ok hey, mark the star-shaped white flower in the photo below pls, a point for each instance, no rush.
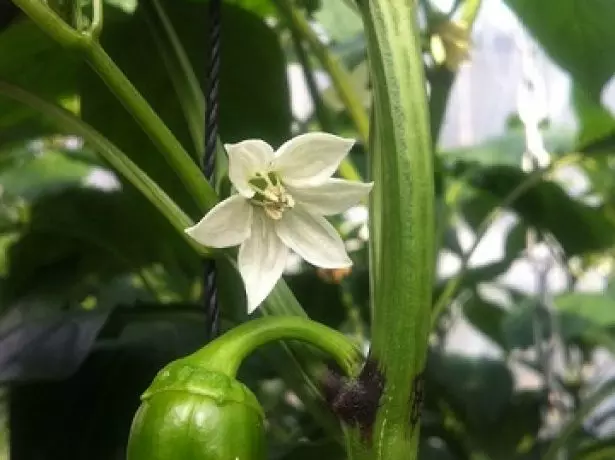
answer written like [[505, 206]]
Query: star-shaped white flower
[[281, 200]]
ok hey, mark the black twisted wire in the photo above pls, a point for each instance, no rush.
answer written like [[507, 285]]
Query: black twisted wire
[[212, 308]]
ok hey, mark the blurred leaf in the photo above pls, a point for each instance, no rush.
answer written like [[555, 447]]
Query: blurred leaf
[[30, 59], [322, 450], [323, 301], [577, 34], [79, 237], [261, 7], [254, 100], [43, 173], [597, 124], [339, 21], [548, 207], [508, 148], [518, 325], [88, 415], [479, 391], [476, 388], [487, 317], [50, 346]]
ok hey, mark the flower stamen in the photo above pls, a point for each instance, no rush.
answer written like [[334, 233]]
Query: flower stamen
[[271, 195]]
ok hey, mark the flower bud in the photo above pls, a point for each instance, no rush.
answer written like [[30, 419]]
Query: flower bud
[[192, 413]]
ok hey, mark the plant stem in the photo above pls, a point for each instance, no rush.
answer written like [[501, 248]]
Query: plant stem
[[402, 255], [242, 340], [177, 157], [451, 287], [607, 390], [158, 132], [346, 169], [342, 81], [442, 78], [114, 156], [180, 70]]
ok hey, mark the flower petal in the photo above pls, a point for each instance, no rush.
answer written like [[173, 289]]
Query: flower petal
[[226, 224], [261, 260], [313, 238], [332, 197], [310, 159], [245, 160]]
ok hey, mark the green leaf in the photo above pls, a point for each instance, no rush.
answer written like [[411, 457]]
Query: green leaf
[[77, 238], [597, 124], [508, 149], [51, 346], [88, 415], [42, 173], [479, 389], [29, 59], [254, 101], [339, 21], [487, 317], [577, 34], [548, 207]]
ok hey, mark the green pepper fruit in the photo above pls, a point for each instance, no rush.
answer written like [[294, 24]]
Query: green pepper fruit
[[193, 413], [195, 409]]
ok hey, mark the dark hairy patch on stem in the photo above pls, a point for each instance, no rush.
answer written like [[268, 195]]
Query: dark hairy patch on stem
[[355, 402], [416, 398]]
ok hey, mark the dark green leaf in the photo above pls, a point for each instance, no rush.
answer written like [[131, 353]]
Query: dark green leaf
[[487, 317], [548, 207], [88, 415], [478, 389], [78, 238], [33, 61], [42, 173], [254, 101], [51, 346]]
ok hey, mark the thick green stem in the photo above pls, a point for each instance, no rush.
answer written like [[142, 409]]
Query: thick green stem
[[226, 353], [342, 81], [402, 223]]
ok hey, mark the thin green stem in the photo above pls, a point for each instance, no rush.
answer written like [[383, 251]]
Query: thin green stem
[[113, 155], [180, 70], [441, 79], [168, 145], [469, 11], [453, 284], [342, 81], [52, 24], [96, 24], [608, 389], [227, 352], [346, 169], [158, 132]]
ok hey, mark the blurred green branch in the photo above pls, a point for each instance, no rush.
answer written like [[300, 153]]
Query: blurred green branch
[[113, 155], [605, 391], [180, 70], [453, 284], [346, 169], [168, 145], [340, 77]]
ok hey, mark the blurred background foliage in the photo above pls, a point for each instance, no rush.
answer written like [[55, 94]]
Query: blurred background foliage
[[97, 291]]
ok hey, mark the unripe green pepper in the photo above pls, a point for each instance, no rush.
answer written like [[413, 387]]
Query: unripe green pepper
[[192, 413], [195, 409]]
